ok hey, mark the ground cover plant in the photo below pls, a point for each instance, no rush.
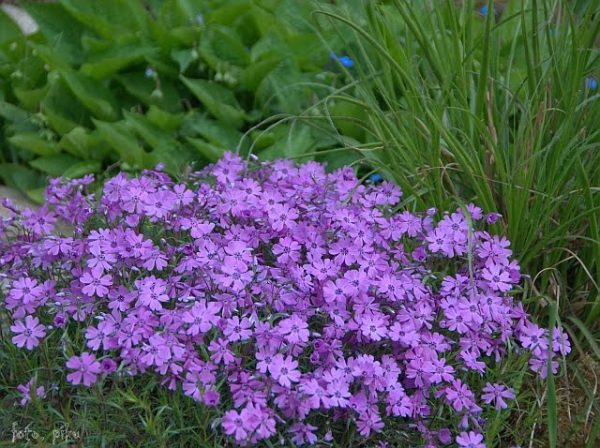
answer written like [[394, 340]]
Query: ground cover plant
[[139, 82], [282, 302]]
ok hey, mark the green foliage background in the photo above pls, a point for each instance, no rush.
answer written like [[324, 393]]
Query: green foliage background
[[143, 82]]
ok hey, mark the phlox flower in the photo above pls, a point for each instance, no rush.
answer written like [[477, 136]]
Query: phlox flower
[[470, 439], [86, 369], [496, 393], [284, 370], [95, 283], [25, 391], [28, 333]]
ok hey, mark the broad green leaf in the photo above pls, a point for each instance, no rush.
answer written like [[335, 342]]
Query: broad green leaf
[[54, 165], [36, 194], [19, 176], [349, 119], [151, 134], [254, 74], [222, 44], [92, 94], [229, 13], [184, 58], [109, 18], [210, 152], [112, 61], [82, 168], [292, 141], [62, 109], [146, 90], [53, 58], [164, 120], [175, 157], [62, 32], [9, 31], [178, 13], [216, 132], [35, 144], [283, 89], [12, 113], [218, 100], [78, 142], [31, 98], [121, 139]]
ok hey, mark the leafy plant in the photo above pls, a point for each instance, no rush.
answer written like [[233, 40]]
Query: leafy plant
[[148, 82]]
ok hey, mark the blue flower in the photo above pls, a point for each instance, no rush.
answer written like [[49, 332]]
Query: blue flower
[[376, 178], [484, 10], [346, 61], [591, 83], [150, 73]]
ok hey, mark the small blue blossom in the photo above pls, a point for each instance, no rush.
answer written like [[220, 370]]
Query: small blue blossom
[[591, 83], [376, 178], [484, 10], [200, 19], [150, 73], [346, 61]]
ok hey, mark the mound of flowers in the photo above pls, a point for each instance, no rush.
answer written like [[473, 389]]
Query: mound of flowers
[[296, 303]]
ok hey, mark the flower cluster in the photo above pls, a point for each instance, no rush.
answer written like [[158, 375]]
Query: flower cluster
[[290, 300]]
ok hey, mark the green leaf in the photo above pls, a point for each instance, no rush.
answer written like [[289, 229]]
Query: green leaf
[[93, 95], [115, 59], [12, 113], [184, 58], [78, 142], [62, 109], [283, 90], [151, 134], [164, 120], [19, 177], [54, 165], [175, 157], [109, 18], [218, 100], [348, 118], [31, 98], [210, 152], [33, 143], [9, 31], [82, 168], [216, 132], [62, 32], [291, 141], [223, 45], [145, 90], [36, 194], [254, 74], [120, 138]]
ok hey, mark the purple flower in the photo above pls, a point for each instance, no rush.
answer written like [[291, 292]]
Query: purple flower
[[236, 424], [86, 369], [284, 370], [25, 390], [108, 365], [496, 393], [28, 333], [470, 439], [95, 283]]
